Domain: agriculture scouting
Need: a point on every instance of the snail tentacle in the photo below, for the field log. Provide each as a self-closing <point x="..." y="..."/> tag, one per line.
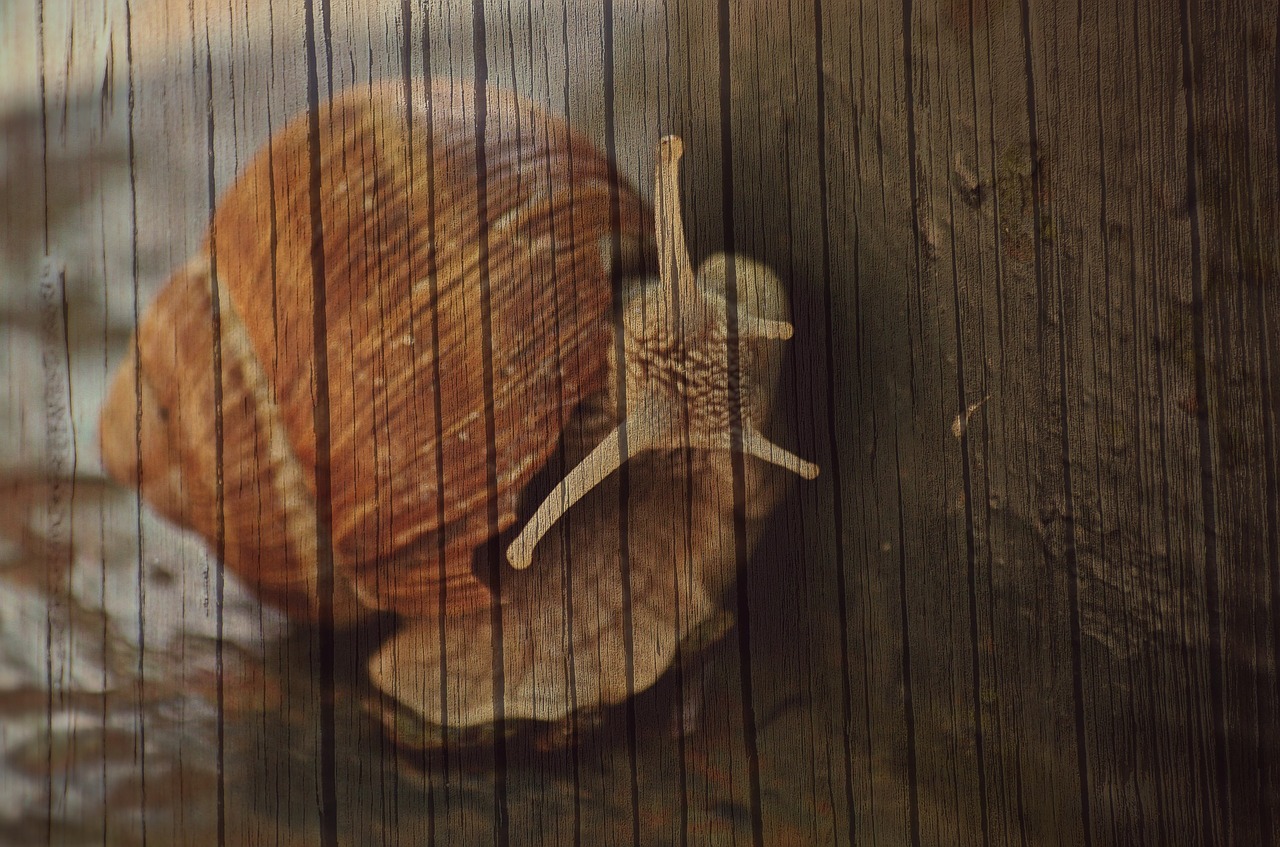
<point x="639" y="433"/>
<point x="752" y="327"/>
<point x="677" y="270"/>
<point x="754" y="443"/>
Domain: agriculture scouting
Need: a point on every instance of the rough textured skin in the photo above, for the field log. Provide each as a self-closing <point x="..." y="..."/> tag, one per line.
<point x="465" y="319"/>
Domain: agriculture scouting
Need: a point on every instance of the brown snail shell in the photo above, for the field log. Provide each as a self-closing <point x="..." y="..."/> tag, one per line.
<point x="423" y="451"/>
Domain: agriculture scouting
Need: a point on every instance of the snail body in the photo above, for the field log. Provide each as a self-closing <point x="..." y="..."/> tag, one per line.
<point x="451" y="276"/>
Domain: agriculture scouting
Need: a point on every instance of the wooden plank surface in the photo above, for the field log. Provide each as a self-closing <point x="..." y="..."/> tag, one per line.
<point x="1034" y="596"/>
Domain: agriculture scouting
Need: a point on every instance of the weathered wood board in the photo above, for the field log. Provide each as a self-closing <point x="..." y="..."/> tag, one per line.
<point x="1034" y="596"/>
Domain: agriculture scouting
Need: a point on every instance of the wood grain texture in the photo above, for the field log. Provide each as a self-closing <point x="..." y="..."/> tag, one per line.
<point x="1033" y="598"/>
<point x="1010" y="245"/>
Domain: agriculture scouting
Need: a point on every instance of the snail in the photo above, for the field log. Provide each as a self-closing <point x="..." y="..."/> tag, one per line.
<point x="458" y="249"/>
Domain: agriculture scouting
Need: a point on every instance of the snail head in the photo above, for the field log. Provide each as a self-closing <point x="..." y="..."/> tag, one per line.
<point x="683" y="387"/>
